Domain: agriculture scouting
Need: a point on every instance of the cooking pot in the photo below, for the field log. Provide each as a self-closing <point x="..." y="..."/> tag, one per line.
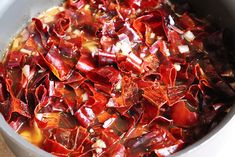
<point x="14" y="15"/>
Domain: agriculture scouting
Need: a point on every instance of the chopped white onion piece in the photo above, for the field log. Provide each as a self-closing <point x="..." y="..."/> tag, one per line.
<point x="40" y="71"/>
<point x="70" y="30"/>
<point x="189" y="36"/>
<point x="91" y="130"/>
<point x="164" y="152"/>
<point x="152" y="35"/>
<point x="135" y="58"/>
<point x="108" y="122"/>
<point x="124" y="44"/>
<point x="110" y="103"/>
<point x="77" y="32"/>
<point x="84" y="97"/>
<point x="172" y="22"/>
<point x="126" y="48"/>
<point x="167" y="52"/>
<point x="202" y="72"/>
<point x="26" y="51"/>
<point x="61" y="8"/>
<point x="99" y="150"/>
<point x="90" y="112"/>
<point x="183" y="48"/>
<point x="51" y="88"/>
<point x="165" y="49"/>
<point x="39" y="116"/>
<point x="26" y="70"/>
<point x="177" y="66"/>
<point x="138" y="11"/>
<point x="119" y="76"/>
<point x="67" y="37"/>
<point x="142" y="55"/>
<point x="119" y="85"/>
<point x="115" y="49"/>
<point x="99" y="144"/>
<point x="44" y="25"/>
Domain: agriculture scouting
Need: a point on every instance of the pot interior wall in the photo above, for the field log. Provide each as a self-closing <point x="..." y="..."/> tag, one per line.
<point x="221" y="11"/>
<point x="15" y="14"/>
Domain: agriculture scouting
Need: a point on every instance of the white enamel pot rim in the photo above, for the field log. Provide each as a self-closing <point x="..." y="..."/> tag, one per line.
<point x="15" y="14"/>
